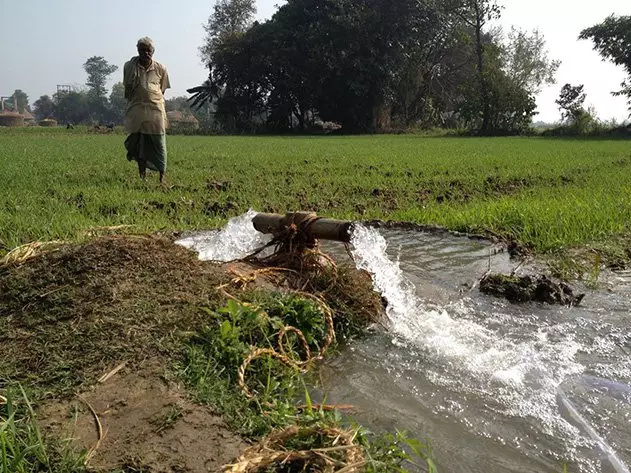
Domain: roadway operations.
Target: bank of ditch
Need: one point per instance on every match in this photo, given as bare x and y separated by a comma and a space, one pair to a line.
151, 360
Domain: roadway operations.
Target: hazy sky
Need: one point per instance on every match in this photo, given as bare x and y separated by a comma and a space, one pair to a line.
45, 43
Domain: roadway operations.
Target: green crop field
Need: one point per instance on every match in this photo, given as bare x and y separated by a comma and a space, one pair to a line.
545, 194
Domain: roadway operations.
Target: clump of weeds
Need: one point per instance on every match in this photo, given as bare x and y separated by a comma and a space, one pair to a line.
267, 410
23, 449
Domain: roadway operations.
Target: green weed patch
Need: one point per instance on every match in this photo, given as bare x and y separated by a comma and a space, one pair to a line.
294, 437
23, 449
71, 312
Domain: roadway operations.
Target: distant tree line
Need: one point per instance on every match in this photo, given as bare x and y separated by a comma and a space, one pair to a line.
87, 105
367, 65
371, 65
91, 103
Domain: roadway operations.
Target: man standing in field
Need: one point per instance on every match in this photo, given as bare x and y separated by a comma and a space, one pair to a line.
145, 82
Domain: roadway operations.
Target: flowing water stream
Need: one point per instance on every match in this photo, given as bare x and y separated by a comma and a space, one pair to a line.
495, 386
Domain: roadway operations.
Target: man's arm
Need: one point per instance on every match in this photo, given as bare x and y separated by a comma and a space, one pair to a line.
126, 81
165, 83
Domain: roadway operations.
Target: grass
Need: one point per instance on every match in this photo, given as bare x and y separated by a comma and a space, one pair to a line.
23, 449
546, 194
169, 419
210, 368
68, 316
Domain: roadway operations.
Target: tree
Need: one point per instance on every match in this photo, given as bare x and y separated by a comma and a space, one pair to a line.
179, 104
526, 60
571, 101
368, 65
117, 103
229, 18
44, 107
476, 14
612, 40
225, 30
428, 83
22, 101
72, 107
337, 60
511, 105
98, 70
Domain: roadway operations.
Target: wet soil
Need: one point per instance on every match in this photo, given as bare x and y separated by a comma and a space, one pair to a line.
529, 289
147, 425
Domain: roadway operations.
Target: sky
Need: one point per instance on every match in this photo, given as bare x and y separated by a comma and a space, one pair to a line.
45, 43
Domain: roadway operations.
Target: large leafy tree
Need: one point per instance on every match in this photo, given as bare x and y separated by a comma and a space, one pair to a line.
370, 65
72, 107
395, 47
526, 60
229, 19
612, 40
338, 60
99, 71
226, 53
428, 81
570, 102
476, 14
510, 105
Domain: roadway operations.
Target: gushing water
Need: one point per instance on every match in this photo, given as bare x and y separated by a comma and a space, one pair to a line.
468, 343
236, 240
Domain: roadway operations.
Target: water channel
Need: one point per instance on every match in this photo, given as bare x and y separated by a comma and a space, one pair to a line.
495, 386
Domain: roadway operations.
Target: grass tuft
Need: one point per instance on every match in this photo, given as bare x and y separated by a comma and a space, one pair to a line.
23, 449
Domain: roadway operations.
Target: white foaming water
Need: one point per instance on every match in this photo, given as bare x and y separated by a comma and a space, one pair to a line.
480, 350
236, 240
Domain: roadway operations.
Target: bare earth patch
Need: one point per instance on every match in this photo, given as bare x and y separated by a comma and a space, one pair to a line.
148, 425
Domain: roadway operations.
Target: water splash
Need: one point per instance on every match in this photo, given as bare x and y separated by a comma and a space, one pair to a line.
477, 348
516, 367
236, 240
610, 457
515, 364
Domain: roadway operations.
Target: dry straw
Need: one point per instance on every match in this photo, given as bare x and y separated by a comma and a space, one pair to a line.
339, 453
23, 253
